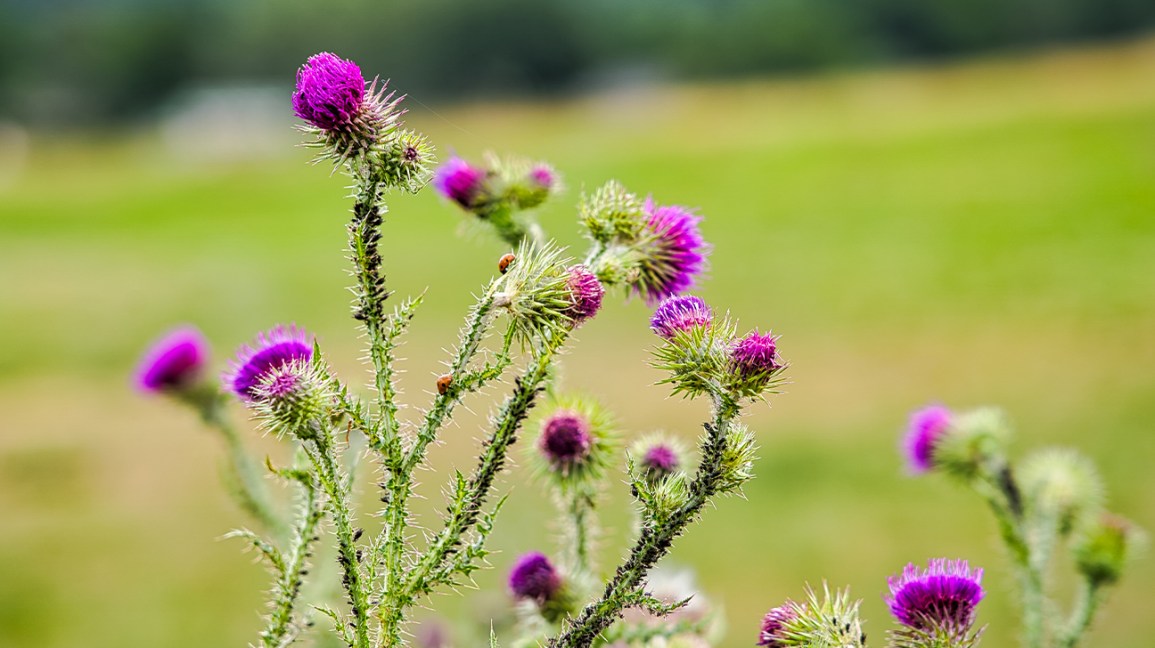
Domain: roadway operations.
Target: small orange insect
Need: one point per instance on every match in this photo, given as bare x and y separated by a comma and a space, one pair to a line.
503, 264
443, 383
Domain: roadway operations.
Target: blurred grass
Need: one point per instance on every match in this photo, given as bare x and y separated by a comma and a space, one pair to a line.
981, 233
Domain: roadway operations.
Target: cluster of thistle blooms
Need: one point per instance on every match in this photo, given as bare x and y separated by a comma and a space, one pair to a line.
386, 569
1053, 497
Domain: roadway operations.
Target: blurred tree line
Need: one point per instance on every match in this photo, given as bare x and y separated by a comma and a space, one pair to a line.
100, 61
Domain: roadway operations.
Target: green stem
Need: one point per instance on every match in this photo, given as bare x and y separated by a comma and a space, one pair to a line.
287, 589
248, 486
579, 513
655, 541
1086, 603
337, 489
465, 512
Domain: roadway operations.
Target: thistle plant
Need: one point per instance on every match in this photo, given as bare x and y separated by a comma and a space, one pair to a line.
514, 335
1051, 500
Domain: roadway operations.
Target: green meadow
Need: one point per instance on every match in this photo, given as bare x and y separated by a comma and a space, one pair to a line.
977, 233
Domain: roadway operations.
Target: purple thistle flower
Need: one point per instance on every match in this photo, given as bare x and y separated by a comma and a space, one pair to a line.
676, 254
534, 577
273, 350
330, 92
773, 625
542, 176
755, 354
943, 596
173, 362
660, 459
682, 313
927, 426
460, 182
565, 439
586, 291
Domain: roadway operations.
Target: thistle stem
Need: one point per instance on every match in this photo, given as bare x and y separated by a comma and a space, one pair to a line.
655, 541
579, 511
1086, 603
287, 589
336, 488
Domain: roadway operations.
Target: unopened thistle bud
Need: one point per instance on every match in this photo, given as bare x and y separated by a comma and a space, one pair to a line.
1104, 547
174, 363
774, 633
973, 443
534, 578
534, 187
680, 314
927, 426
755, 355
658, 457
462, 183
575, 442
673, 252
348, 118
943, 598
405, 162
566, 440
586, 293
273, 350
293, 398
1062, 483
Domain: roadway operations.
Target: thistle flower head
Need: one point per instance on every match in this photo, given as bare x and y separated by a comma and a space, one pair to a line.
680, 313
535, 578
174, 362
461, 182
543, 176
660, 459
293, 398
575, 442
673, 252
347, 117
927, 427
586, 292
565, 439
272, 350
774, 625
330, 91
537, 292
944, 596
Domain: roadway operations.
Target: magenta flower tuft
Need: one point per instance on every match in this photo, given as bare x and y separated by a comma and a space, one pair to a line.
773, 625
542, 176
565, 439
330, 92
676, 254
460, 182
586, 291
682, 313
756, 354
943, 596
534, 577
272, 351
173, 362
927, 426
660, 459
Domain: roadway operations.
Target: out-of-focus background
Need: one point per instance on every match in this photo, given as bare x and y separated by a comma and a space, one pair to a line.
939, 200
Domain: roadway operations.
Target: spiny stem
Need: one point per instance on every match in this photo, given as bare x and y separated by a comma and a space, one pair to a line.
579, 514
655, 540
465, 512
336, 488
291, 578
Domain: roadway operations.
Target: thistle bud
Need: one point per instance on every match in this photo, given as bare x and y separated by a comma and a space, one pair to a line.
1104, 547
293, 399
586, 294
658, 457
972, 443
533, 187
1062, 484
175, 363
775, 624
575, 442
754, 361
565, 440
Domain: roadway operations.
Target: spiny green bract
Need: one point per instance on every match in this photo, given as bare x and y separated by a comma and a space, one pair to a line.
404, 161
1061, 484
535, 292
974, 442
829, 622
612, 214
696, 358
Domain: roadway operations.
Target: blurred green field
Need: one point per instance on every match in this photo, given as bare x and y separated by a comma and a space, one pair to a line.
971, 234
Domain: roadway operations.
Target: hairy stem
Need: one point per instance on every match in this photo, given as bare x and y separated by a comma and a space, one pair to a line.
655, 540
287, 590
579, 512
336, 487
465, 511
1086, 603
